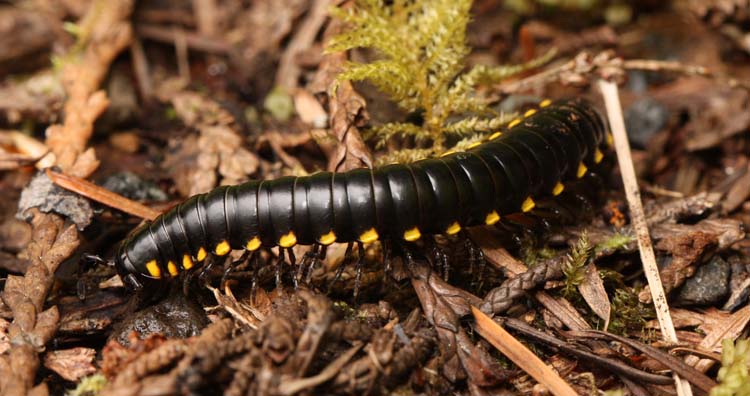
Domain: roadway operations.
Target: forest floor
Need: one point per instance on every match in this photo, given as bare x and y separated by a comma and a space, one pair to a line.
112, 112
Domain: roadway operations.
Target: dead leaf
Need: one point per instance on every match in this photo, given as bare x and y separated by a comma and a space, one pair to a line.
346, 110
71, 364
592, 290
195, 163
310, 110
739, 192
563, 310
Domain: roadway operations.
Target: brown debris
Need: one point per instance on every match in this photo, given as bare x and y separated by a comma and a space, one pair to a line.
223, 57
712, 116
443, 305
71, 364
33, 29
262, 28
39, 97
33, 325
499, 299
687, 250
106, 32
347, 111
216, 156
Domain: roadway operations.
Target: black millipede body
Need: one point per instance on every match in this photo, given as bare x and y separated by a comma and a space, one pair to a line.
534, 157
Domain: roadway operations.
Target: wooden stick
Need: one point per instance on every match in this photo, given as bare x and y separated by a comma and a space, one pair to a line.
638, 218
101, 195
520, 355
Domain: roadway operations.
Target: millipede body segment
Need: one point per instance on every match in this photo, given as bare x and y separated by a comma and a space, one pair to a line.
535, 156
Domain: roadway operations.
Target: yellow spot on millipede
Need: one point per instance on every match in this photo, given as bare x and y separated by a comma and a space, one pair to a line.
172, 268
610, 140
447, 153
201, 254
495, 135
453, 228
222, 248
327, 239
253, 244
514, 123
288, 240
187, 262
528, 204
153, 269
368, 236
582, 169
475, 144
598, 156
545, 103
412, 234
558, 189
529, 113
492, 218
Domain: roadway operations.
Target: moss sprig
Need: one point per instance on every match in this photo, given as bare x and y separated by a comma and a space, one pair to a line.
574, 268
421, 49
734, 375
628, 313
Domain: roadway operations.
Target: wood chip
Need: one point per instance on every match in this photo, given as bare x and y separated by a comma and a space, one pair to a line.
520, 355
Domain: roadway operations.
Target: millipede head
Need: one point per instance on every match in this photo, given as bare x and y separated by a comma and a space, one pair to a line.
125, 267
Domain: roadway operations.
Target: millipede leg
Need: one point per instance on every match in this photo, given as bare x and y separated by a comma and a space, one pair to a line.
205, 269
439, 257
387, 258
559, 212
476, 255
234, 265
408, 257
546, 225
320, 255
255, 267
359, 265
308, 261
279, 263
293, 265
585, 203
340, 269
132, 281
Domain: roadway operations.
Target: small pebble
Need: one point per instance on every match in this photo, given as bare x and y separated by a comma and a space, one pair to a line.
643, 119
708, 286
132, 186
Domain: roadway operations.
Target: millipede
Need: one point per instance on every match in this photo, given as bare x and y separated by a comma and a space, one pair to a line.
533, 157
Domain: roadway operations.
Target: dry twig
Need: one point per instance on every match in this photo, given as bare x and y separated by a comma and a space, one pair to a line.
520, 355
617, 123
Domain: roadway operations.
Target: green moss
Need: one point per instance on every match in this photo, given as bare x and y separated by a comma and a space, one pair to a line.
628, 313
89, 386
734, 375
421, 49
279, 104
615, 242
531, 254
574, 268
